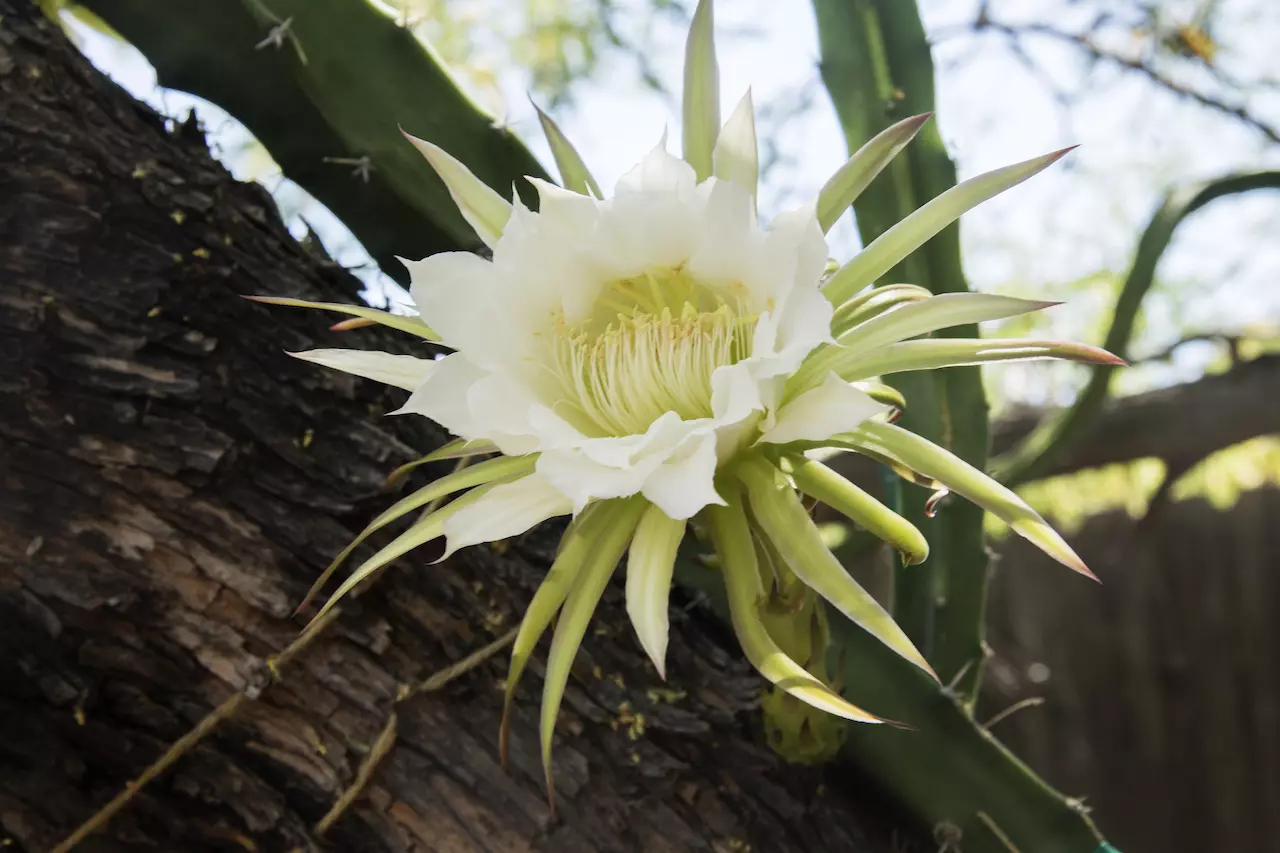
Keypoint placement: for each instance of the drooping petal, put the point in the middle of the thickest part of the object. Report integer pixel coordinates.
(843, 188)
(736, 158)
(904, 321)
(732, 536)
(573, 171)
(399, 371)
(412, 325)
(491, 471)
(454, 289)
(575, 546)
(783, 519)
(959, 476)
(571, 627)
(485, 210)
(650, 564)
(509, 509)
(701, 113)
(818, 481)
(931, 354)
(443, 396)
(420, 533)
(821, 412)
(889, 249)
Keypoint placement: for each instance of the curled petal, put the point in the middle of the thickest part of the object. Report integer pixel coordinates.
(818, 481)
(786, 523)
(732, 536)
(959, 476)
(649, 567)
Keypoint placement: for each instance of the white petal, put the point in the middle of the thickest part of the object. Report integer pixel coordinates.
(730, 243)
(401, 371)
(508, 509)
(443, 396)
(649, 568)
(485, 210)
(736, 158)
(583, 479)
(735, 393)
(658, 172)
(455, 288)
(685, 483)
(834, 406)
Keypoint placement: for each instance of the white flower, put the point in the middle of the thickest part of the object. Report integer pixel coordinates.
(657, 356)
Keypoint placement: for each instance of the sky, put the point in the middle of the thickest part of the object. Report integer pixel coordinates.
(1062, 235)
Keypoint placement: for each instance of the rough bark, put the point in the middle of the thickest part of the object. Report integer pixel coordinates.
(170, 483)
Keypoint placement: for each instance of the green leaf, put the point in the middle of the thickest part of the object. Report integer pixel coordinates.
(783, 518)
(818, 481)
(482, 207)
(843, 188)
(962, 478)
(412, 325)
(888, 250)
(490, 471)
(573, 171)
(736, 157)
(606, 550)
(701, 112)
(650, 564)
(732, 536)
(931, 354)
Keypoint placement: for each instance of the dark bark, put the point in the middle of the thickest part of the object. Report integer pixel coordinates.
(170, 483)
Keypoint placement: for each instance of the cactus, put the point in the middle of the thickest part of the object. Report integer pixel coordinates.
(325, 84)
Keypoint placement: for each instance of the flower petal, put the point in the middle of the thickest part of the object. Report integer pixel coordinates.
(784, 520)
(843, 188)
(485, 210)
(650, 564)
(732, 536)
(736, 158)
(403, 323)
(400, 371)
(509, 509)
(685, 482)
(932, 354)
(822, 412)
(573, 171)
(701, 114)
(908, 320)
(571, 627)
(927, 458)
(818, 481)
(889, 249)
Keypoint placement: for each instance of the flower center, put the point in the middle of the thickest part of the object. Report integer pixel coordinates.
(649, 347)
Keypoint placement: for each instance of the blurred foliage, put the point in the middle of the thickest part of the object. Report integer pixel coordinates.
(1070, 500)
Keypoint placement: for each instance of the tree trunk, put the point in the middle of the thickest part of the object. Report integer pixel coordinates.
(171, 483)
